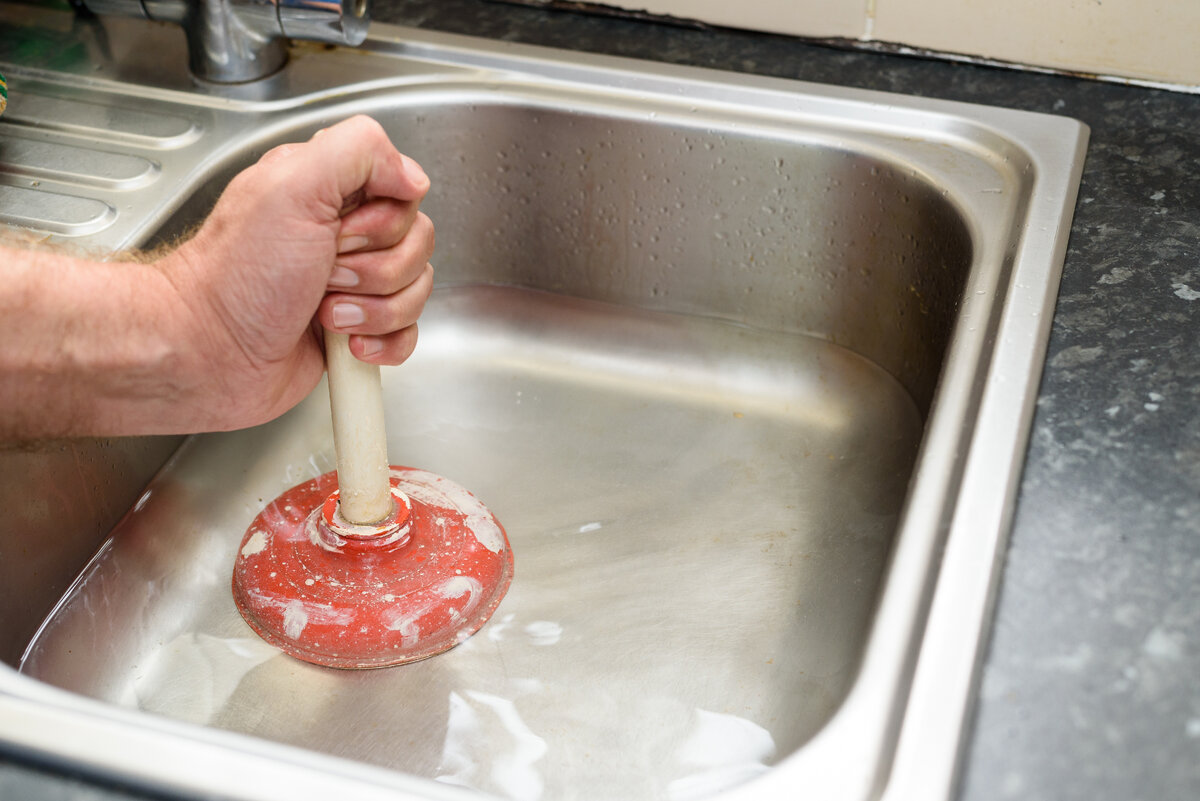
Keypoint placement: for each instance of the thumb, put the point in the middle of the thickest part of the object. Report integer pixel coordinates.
(358, 158)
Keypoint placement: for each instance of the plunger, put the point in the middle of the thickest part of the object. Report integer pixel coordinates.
(372, 565)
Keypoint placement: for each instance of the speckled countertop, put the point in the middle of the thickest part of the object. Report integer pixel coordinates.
(1091, 686)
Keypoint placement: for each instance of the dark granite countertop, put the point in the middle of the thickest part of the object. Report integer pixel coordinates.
(1091, 685)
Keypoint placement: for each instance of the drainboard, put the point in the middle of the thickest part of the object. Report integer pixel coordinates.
(744, 366)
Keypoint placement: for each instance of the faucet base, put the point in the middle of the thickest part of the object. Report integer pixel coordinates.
(239, 56)
(238, 41)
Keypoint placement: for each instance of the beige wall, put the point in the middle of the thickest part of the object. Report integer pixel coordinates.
(1157, 41)
(799, 17)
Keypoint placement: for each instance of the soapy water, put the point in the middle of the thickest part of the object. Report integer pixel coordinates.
(487, 744)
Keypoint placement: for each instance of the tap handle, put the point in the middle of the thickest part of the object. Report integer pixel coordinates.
(337, 21)
(334, 21)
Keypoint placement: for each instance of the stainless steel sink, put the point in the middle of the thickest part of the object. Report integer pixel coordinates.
(745, 366)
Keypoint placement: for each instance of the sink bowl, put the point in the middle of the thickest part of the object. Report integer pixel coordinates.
(745, 367)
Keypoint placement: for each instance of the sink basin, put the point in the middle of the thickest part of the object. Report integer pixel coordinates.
(745, 367)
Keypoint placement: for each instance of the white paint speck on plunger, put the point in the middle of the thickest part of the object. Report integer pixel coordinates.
(359, 437)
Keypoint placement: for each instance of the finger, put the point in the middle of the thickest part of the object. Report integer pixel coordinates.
(384, 272)
(376, 315)
(378, 223)
(392, 348)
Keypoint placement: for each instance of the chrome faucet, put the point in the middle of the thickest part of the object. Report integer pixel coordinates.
(235, 41)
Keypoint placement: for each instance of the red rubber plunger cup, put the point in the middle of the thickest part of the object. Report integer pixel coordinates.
(374, 565)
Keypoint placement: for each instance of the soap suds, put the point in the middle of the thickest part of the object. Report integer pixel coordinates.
(295, 618)
(256, 543)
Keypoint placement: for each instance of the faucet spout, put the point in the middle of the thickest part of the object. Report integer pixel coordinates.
(237, 41)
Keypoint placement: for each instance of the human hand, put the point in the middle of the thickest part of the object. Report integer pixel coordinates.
(322, 233)
(224, 331)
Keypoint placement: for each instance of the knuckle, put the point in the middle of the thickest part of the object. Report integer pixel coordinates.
(372, 128)
(409, 341)
(400, 345)
(431, 232)
(278, 152)
(425, 224)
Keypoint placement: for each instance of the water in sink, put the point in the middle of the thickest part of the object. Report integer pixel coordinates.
(700, 513)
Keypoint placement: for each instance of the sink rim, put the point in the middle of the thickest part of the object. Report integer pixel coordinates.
(973, 535)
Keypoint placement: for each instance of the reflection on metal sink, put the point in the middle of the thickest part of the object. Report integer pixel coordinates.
(744, 365)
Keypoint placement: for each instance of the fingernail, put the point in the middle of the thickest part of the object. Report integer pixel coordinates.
(347, 314)
(371, 346)
(343, 276)
(349, 243)
(415, 173)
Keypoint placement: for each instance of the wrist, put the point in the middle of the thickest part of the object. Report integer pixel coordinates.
(88, 348)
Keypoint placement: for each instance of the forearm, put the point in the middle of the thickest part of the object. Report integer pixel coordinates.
(222, 332)
(87, 348)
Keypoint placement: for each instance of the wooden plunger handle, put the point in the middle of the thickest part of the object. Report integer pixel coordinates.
(356, 401)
